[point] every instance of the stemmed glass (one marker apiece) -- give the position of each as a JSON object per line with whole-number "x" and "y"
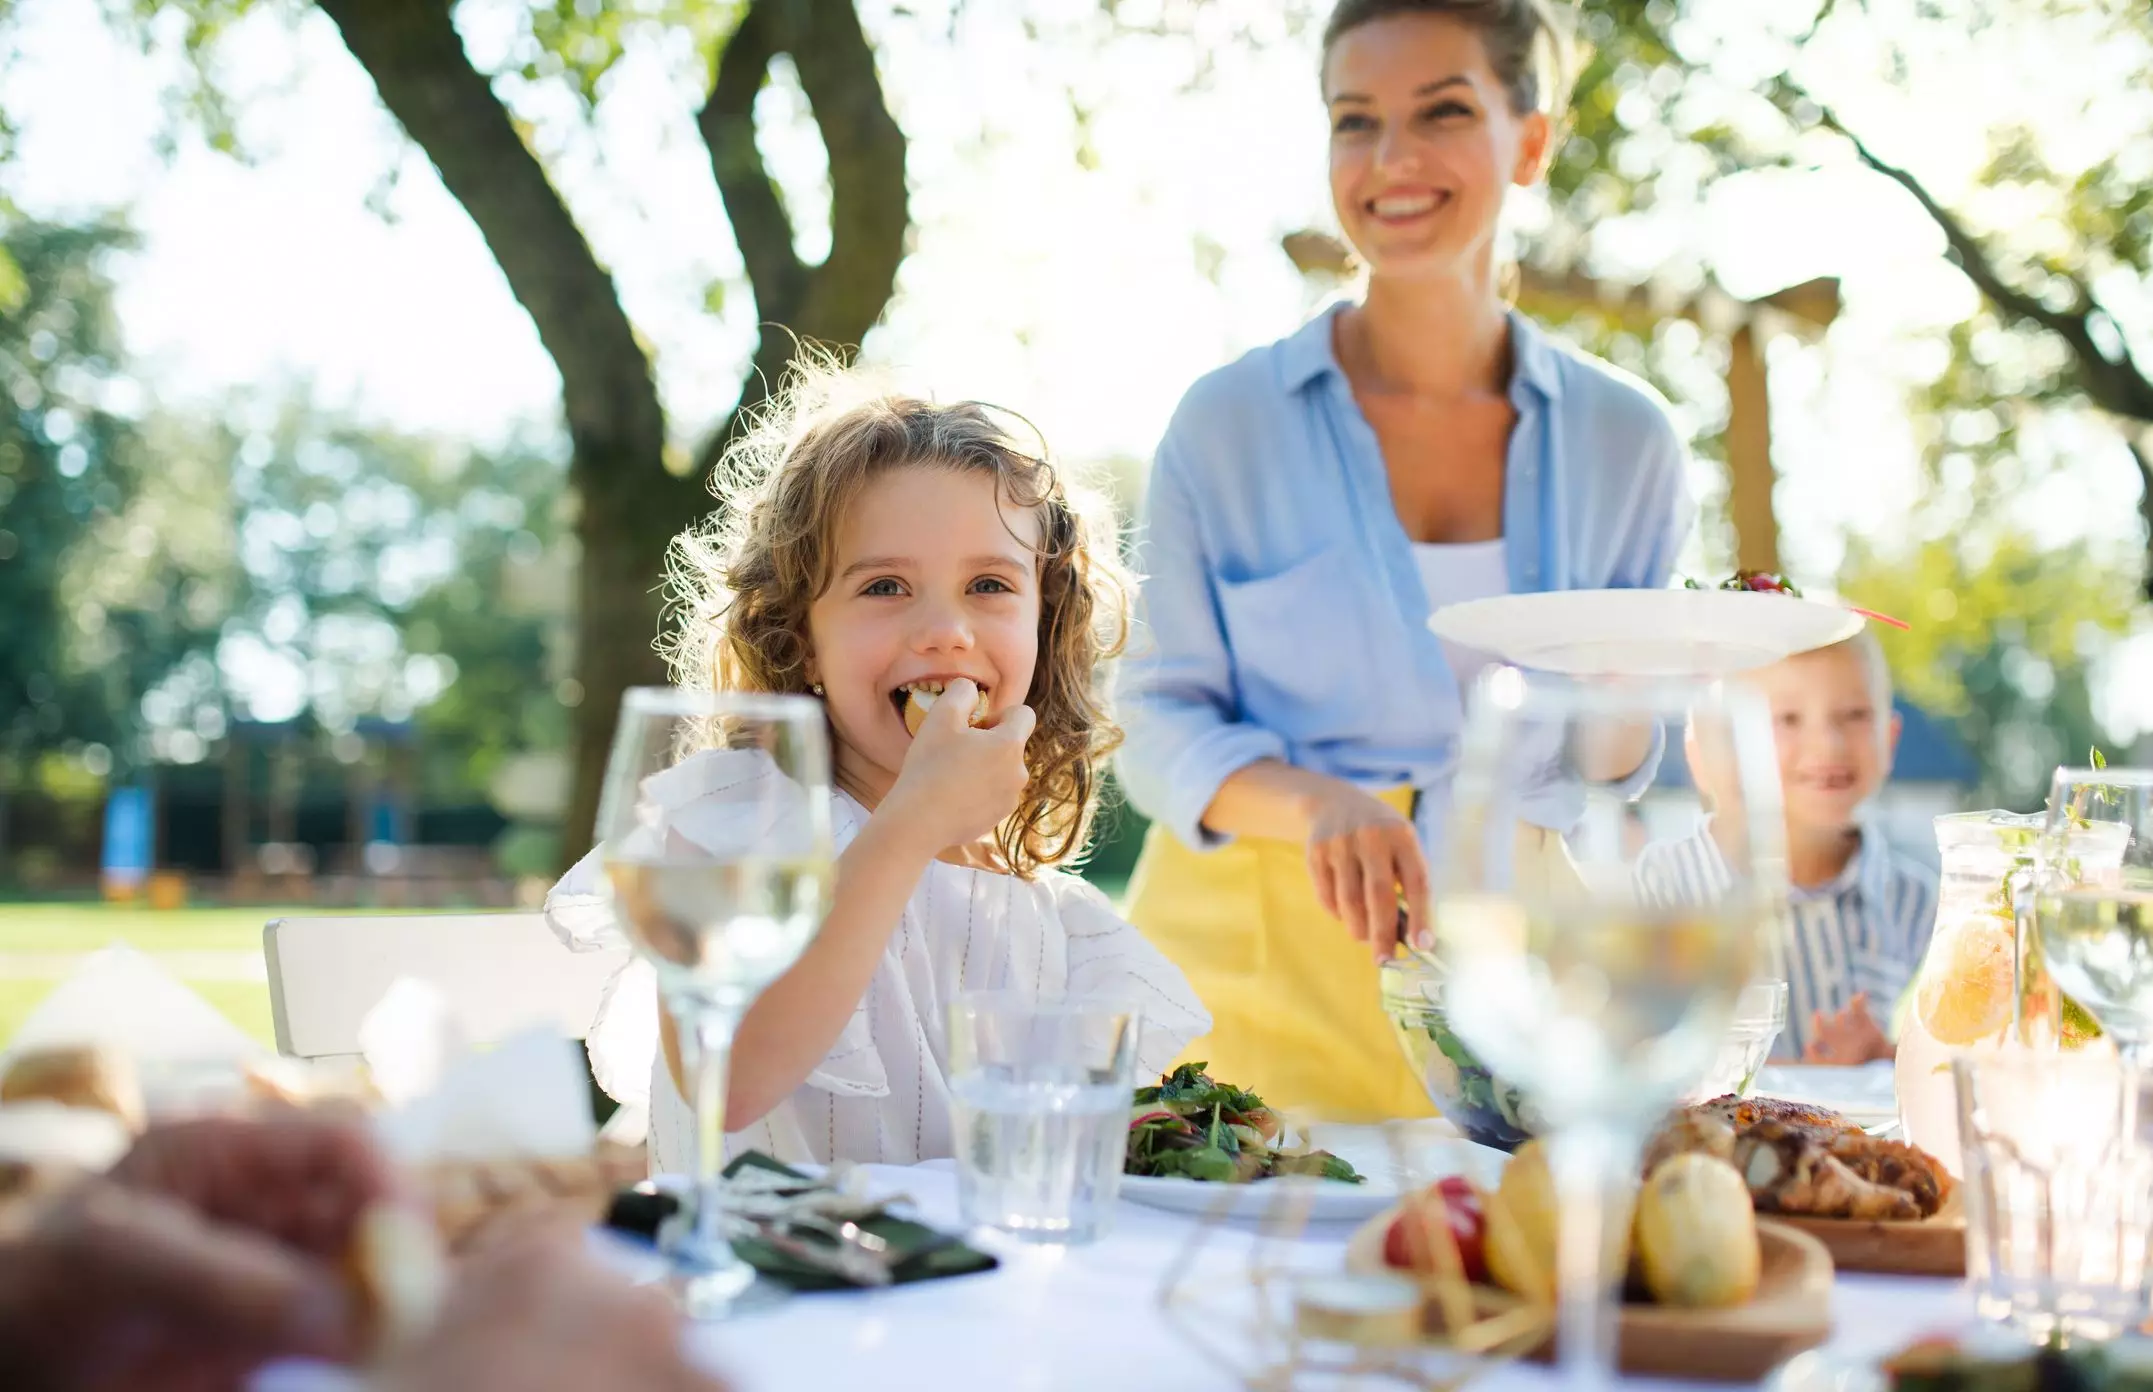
{"x": 2093, "y": 906}
{"x": 1597, "y": 977}
{"x": 714, "y": 829}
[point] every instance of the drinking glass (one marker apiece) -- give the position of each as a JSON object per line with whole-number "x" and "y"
{"x": 1596, "y": 977}
{"x": 714, "y": 828}
{"x": 1039, "y": 1108}
{"x": 2093, "y": 905}
{"x": 2059, "y": 1191}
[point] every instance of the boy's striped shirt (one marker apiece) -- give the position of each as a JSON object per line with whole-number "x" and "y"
{"x": 1865, "y": 930}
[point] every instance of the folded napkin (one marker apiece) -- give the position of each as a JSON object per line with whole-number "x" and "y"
{"x": 915, "y": 1252}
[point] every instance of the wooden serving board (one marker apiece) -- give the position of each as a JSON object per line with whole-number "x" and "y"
{"x": 1932, "y": 1247}
{"x": 1791, "y": 1311}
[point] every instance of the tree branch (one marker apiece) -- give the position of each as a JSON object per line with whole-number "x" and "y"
{"x": 416, "y": 58}
{"x": 2109, "y": 376}
{"x": 2144, "y": 462}
{"x": 835, "y": 303}
{"x": 752, "y": 204}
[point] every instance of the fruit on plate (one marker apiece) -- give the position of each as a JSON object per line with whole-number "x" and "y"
{"x": 1696, "y": 1234}
{"x": 1414, "y": 1241}
{"x": 1968, "y": 996}
{"x": 1522, "y": 1228}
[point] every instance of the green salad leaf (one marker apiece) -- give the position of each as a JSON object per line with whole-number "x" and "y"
{"x": 1190, "y": 1126}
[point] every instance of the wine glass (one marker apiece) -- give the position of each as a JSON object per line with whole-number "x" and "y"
{"x": 714, "y": 829}
{"x": 2092, "y": 911}
{"x": 1597, "y": 976}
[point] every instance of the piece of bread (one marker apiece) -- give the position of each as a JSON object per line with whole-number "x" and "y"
{"x": 918, "y": 703}
{"x": 469, "y": 1196}
{"x": 77, "y": 1076}
{"x": 398, "y": 1273}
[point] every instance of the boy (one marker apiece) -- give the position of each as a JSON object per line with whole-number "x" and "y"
{"x": 1859, "y": 914}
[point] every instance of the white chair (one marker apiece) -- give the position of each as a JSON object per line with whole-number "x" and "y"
{"x": 500, "y": 973}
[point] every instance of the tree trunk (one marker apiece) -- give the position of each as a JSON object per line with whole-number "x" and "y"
{"x": 625, "y": 526}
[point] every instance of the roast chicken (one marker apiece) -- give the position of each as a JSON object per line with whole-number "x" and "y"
{"x": 1807, "y": 1161}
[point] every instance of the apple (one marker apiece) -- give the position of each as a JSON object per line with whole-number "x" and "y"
{"x": 1450, "y": 1202}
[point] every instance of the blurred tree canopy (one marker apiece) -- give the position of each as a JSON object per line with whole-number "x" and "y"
{"x": 353, "y": 573}
{"x": 86, "y": 582}
{"x": 2003, "y": 643}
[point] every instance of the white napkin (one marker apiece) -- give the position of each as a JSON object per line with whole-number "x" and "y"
{"x": 523, "y": 1097}
{"x": 123, "y": 1000}
{"x": 185, "y": 1052}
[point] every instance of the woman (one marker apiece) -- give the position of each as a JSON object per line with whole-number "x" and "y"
{"x": 1293, "y": 723}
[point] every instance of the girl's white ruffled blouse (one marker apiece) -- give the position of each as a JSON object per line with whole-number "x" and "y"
{"x": 882, "y": 1093}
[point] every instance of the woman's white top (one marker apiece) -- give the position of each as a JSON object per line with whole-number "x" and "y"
{"x": 882, "y": 1093}
{"x": 1454, "y": 572}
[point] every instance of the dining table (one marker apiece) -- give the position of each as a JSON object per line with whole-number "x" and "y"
{"x": 1093, "y": 1316}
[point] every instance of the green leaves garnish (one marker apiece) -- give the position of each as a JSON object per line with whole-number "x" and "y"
{"x": 1190, "y": 1127}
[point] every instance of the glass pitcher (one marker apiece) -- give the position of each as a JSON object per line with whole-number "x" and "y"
{"x": 1981, "y": 987}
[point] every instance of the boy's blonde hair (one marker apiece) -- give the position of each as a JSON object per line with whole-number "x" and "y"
{"x": 739, "y": 584}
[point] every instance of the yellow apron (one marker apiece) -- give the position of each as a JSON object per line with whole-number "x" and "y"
{"x": 1296, "y": 1008}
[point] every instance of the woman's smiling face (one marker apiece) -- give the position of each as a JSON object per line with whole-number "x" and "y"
{"x": 1424, "y": 143}
{"x": 933, "y": 577}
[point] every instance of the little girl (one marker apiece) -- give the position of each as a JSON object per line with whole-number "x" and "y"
{"x": 899, "y": 560}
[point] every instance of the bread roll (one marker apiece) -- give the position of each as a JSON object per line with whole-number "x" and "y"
{"x": 78, "y": 1076}
{"x": 399, "y": 1276}
{"x": 918, "y": 703}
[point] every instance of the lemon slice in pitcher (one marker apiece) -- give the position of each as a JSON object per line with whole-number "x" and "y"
{"x": 1968, "y": 997}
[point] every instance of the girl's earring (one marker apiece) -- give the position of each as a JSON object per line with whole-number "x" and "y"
{"x": 816, "y": 688}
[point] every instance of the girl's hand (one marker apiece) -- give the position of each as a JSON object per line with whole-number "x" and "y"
{"x": 1850, "y": 1036}
{"x": 1362, "y": 856}
{"x": 960, "y": 783}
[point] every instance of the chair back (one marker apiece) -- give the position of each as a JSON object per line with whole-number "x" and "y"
{"x": 500, "y": 973}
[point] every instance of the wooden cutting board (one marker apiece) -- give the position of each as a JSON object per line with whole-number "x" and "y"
{"x": 1791, "y": 1311}
{"x": 1932, "y": 1247}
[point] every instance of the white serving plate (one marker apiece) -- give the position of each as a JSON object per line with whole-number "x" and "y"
{"x": 1366, "y": 1148}
{"x": 1644, "y": 633}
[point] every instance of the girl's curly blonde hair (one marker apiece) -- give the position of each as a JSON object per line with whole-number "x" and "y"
{"x": 739, "y": 583}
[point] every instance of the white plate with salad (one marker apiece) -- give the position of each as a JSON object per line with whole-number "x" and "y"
{"x": 1203, "y": 1147}
{"x": 1751, "y": 621}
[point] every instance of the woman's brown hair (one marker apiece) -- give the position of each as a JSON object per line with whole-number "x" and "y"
{"x": 739, "y": 584}
{"x": 1528, "y": 46}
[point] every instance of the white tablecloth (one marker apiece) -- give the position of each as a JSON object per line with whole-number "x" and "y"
{"x": 1089, "y": 1317}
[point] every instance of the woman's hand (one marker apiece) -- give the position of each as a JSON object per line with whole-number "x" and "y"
{"x": 960, "y": 783}
{"x": 1363, "y": 857}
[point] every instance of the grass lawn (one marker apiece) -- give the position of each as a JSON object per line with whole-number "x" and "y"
{"x": 86, "y": 927}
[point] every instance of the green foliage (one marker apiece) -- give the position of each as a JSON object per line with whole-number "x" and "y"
{"x": 580, "y": 41}
{"x": 2002, "y": 644}
{"x": 74, "y": 468}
